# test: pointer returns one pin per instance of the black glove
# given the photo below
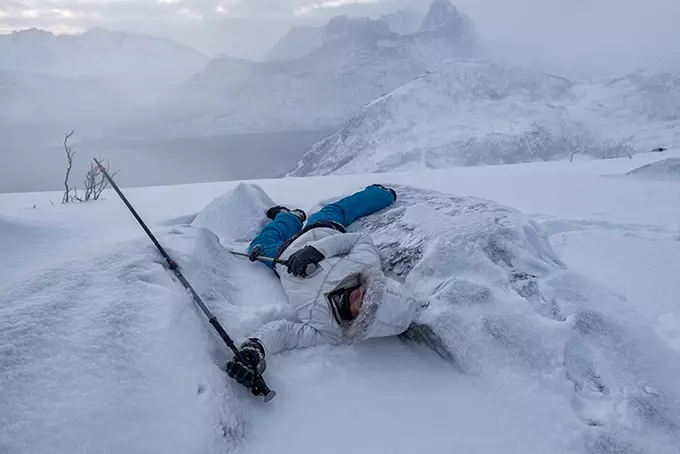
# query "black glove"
(255, 253)
(250, 364)
(298, 262)
(394, 194)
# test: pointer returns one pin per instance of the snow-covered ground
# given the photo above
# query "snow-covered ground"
(557, 302)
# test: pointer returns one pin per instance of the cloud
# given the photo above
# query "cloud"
(242, 28)
(577, 36)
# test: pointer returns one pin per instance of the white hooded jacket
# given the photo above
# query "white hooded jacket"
(388, 309)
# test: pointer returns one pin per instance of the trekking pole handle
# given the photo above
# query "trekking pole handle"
(260, 388)
(261, 258)
(311, 270)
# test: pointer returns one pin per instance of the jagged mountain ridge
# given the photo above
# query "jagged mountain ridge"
(468, 112)
(359, 60)
(404, 21)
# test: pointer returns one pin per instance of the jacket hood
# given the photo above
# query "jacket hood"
(388, 309)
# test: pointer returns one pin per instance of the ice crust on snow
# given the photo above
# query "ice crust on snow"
(468, 112)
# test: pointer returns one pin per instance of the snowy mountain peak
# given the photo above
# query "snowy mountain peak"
(404, 21)
(441, 13)
(31, 35)
(356, 30)
(444, 21)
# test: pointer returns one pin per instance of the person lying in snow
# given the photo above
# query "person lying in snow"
(344, 299)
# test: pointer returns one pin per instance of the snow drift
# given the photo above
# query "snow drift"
(466, 112)
(107, 351)
(499, 304)
(666, 169)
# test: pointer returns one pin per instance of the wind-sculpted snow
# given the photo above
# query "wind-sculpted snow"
(466, 112)
(665, 169)
(497, 302)
(501, 304)
(102, 350)
(104, 353)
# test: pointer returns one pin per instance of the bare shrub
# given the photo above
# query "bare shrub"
(95, 182)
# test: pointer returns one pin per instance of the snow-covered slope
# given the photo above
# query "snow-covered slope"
(467, 112)
(94, 52)
(102, 351)
(359, 60)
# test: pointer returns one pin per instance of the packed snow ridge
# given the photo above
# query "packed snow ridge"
(469, 112)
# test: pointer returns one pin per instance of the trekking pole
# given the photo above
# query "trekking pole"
(261, 258)
(259, 388)
(311, 270)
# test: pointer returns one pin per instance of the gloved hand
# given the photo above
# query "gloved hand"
(249, 365)
(298, 262)
(394, 193)
(255, 253)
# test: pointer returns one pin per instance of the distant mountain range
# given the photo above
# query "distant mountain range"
(407, 91)
(300, 41)
(468, 112)
(95, 52)
(357, 61)
(50, 83)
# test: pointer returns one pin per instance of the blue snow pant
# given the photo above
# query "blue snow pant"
(344, 212)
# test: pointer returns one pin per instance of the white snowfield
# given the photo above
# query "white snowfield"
(558, 316)
(469, 112)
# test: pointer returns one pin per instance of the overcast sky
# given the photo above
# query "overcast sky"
(589, 34)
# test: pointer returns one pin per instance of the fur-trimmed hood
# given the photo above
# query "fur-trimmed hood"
(388, 308)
